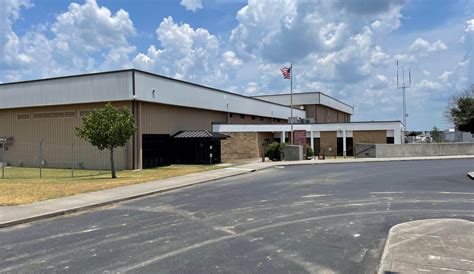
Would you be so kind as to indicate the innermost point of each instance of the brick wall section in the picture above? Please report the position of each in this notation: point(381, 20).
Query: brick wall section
point(370, 137)
point(240, 145)
point(328, 139)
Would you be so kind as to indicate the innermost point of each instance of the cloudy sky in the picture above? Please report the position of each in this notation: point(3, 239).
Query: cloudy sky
point(346, 48)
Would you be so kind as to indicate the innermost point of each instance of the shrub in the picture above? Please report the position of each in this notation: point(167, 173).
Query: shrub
point(274, 151)
point(309, 152)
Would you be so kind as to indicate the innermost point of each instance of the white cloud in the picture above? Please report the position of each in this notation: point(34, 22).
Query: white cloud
point(231, 60)
point(445, 76)
point(186, 53)
point(192, 5)
point(429, 85)
point(252, 88)
point(423, 47)
point(9, 40)
point(69, 45)
point(469, 26)
point(90, 28)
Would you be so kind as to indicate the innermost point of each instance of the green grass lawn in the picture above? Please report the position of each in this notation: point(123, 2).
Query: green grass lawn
point(23, 185)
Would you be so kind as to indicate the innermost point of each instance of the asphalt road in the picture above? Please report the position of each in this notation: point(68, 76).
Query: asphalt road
point(319, 218)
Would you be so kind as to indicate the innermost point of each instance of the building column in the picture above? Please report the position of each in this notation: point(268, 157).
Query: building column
point(311, 135)
point(344, 152)
point(138, 154)
point(397, 136)
point(282, 137)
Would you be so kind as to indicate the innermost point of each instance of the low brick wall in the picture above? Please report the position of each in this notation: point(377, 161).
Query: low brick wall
point(369, 137)
point(240, 145)
point(417, 150)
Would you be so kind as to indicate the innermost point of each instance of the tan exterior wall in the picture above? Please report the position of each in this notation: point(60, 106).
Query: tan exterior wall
point(58, 135)
point(369, 137)
point(328, 140)
point(323, 114)
point(241, 145)
point(167, 119)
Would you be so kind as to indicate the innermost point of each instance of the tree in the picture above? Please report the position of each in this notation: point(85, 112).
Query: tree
point(461, 111)
point(436, 135)
point(108, 128)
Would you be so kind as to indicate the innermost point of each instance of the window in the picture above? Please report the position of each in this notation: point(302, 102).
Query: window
point(390, 140)
point(230, 114)
point(278, 120)
point(242, 116)
point(23, 116)
point(38, 115)
point(49, 115)
point(253, 117)
point(70, 114)
point(261, 118)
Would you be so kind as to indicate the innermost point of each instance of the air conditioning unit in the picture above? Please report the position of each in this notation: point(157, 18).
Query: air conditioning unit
point(308, 121)
point(296, 120)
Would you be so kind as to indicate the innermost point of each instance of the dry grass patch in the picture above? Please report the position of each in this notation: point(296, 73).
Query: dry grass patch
point(23, 185)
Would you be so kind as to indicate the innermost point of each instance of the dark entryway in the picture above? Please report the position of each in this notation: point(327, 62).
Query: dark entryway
point(317, 145)
point(349, 147)
point(185, 147)
point(156, 150)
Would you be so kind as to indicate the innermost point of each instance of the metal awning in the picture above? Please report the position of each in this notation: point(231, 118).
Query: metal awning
point(201, 134)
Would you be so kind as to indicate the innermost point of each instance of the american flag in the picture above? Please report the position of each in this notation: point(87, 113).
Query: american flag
point(286, 72)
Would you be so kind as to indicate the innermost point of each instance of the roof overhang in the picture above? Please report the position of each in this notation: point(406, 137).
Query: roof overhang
point(199, 134)
point(308, 98)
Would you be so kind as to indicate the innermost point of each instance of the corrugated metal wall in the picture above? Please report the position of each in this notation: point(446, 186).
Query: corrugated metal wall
point(58, 135)
point(166, 119)
point(114, 86)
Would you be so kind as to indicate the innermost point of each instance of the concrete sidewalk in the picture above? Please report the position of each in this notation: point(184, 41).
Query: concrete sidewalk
point(13, 215)
point(430, 246)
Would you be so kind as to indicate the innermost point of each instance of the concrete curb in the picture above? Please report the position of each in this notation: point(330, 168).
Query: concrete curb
point(61, 212)
point(428, 245)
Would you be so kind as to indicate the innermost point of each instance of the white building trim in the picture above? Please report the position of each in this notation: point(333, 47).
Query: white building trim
point(395, 127)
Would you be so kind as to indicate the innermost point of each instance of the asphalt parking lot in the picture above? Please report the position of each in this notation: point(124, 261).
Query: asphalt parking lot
point(315, 218)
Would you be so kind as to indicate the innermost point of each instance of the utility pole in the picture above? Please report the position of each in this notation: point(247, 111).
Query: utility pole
point(291, 102)
point(403, 86)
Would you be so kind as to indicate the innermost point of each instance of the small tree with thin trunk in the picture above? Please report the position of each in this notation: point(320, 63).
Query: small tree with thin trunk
point(461, 111)
point(107, 129)
point(436, 135)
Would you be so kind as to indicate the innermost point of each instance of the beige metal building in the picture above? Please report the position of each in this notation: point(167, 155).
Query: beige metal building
point(177, 121)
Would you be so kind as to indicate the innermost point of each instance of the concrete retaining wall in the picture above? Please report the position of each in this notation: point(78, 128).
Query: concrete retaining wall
point(417, 150)
point(364, 151)
point(293, 153)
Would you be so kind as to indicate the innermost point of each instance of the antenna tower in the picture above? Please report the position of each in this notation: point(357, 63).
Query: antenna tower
point(401, 84)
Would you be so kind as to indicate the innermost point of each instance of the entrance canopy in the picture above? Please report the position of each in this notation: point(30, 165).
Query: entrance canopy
point(199, 134)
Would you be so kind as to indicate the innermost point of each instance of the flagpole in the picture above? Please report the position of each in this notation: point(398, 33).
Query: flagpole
point(291, 101)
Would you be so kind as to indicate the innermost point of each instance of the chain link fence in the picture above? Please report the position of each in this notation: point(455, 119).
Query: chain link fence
point(73, 157)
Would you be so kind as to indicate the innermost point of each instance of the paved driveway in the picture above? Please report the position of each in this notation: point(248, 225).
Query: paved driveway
point(319, 218)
